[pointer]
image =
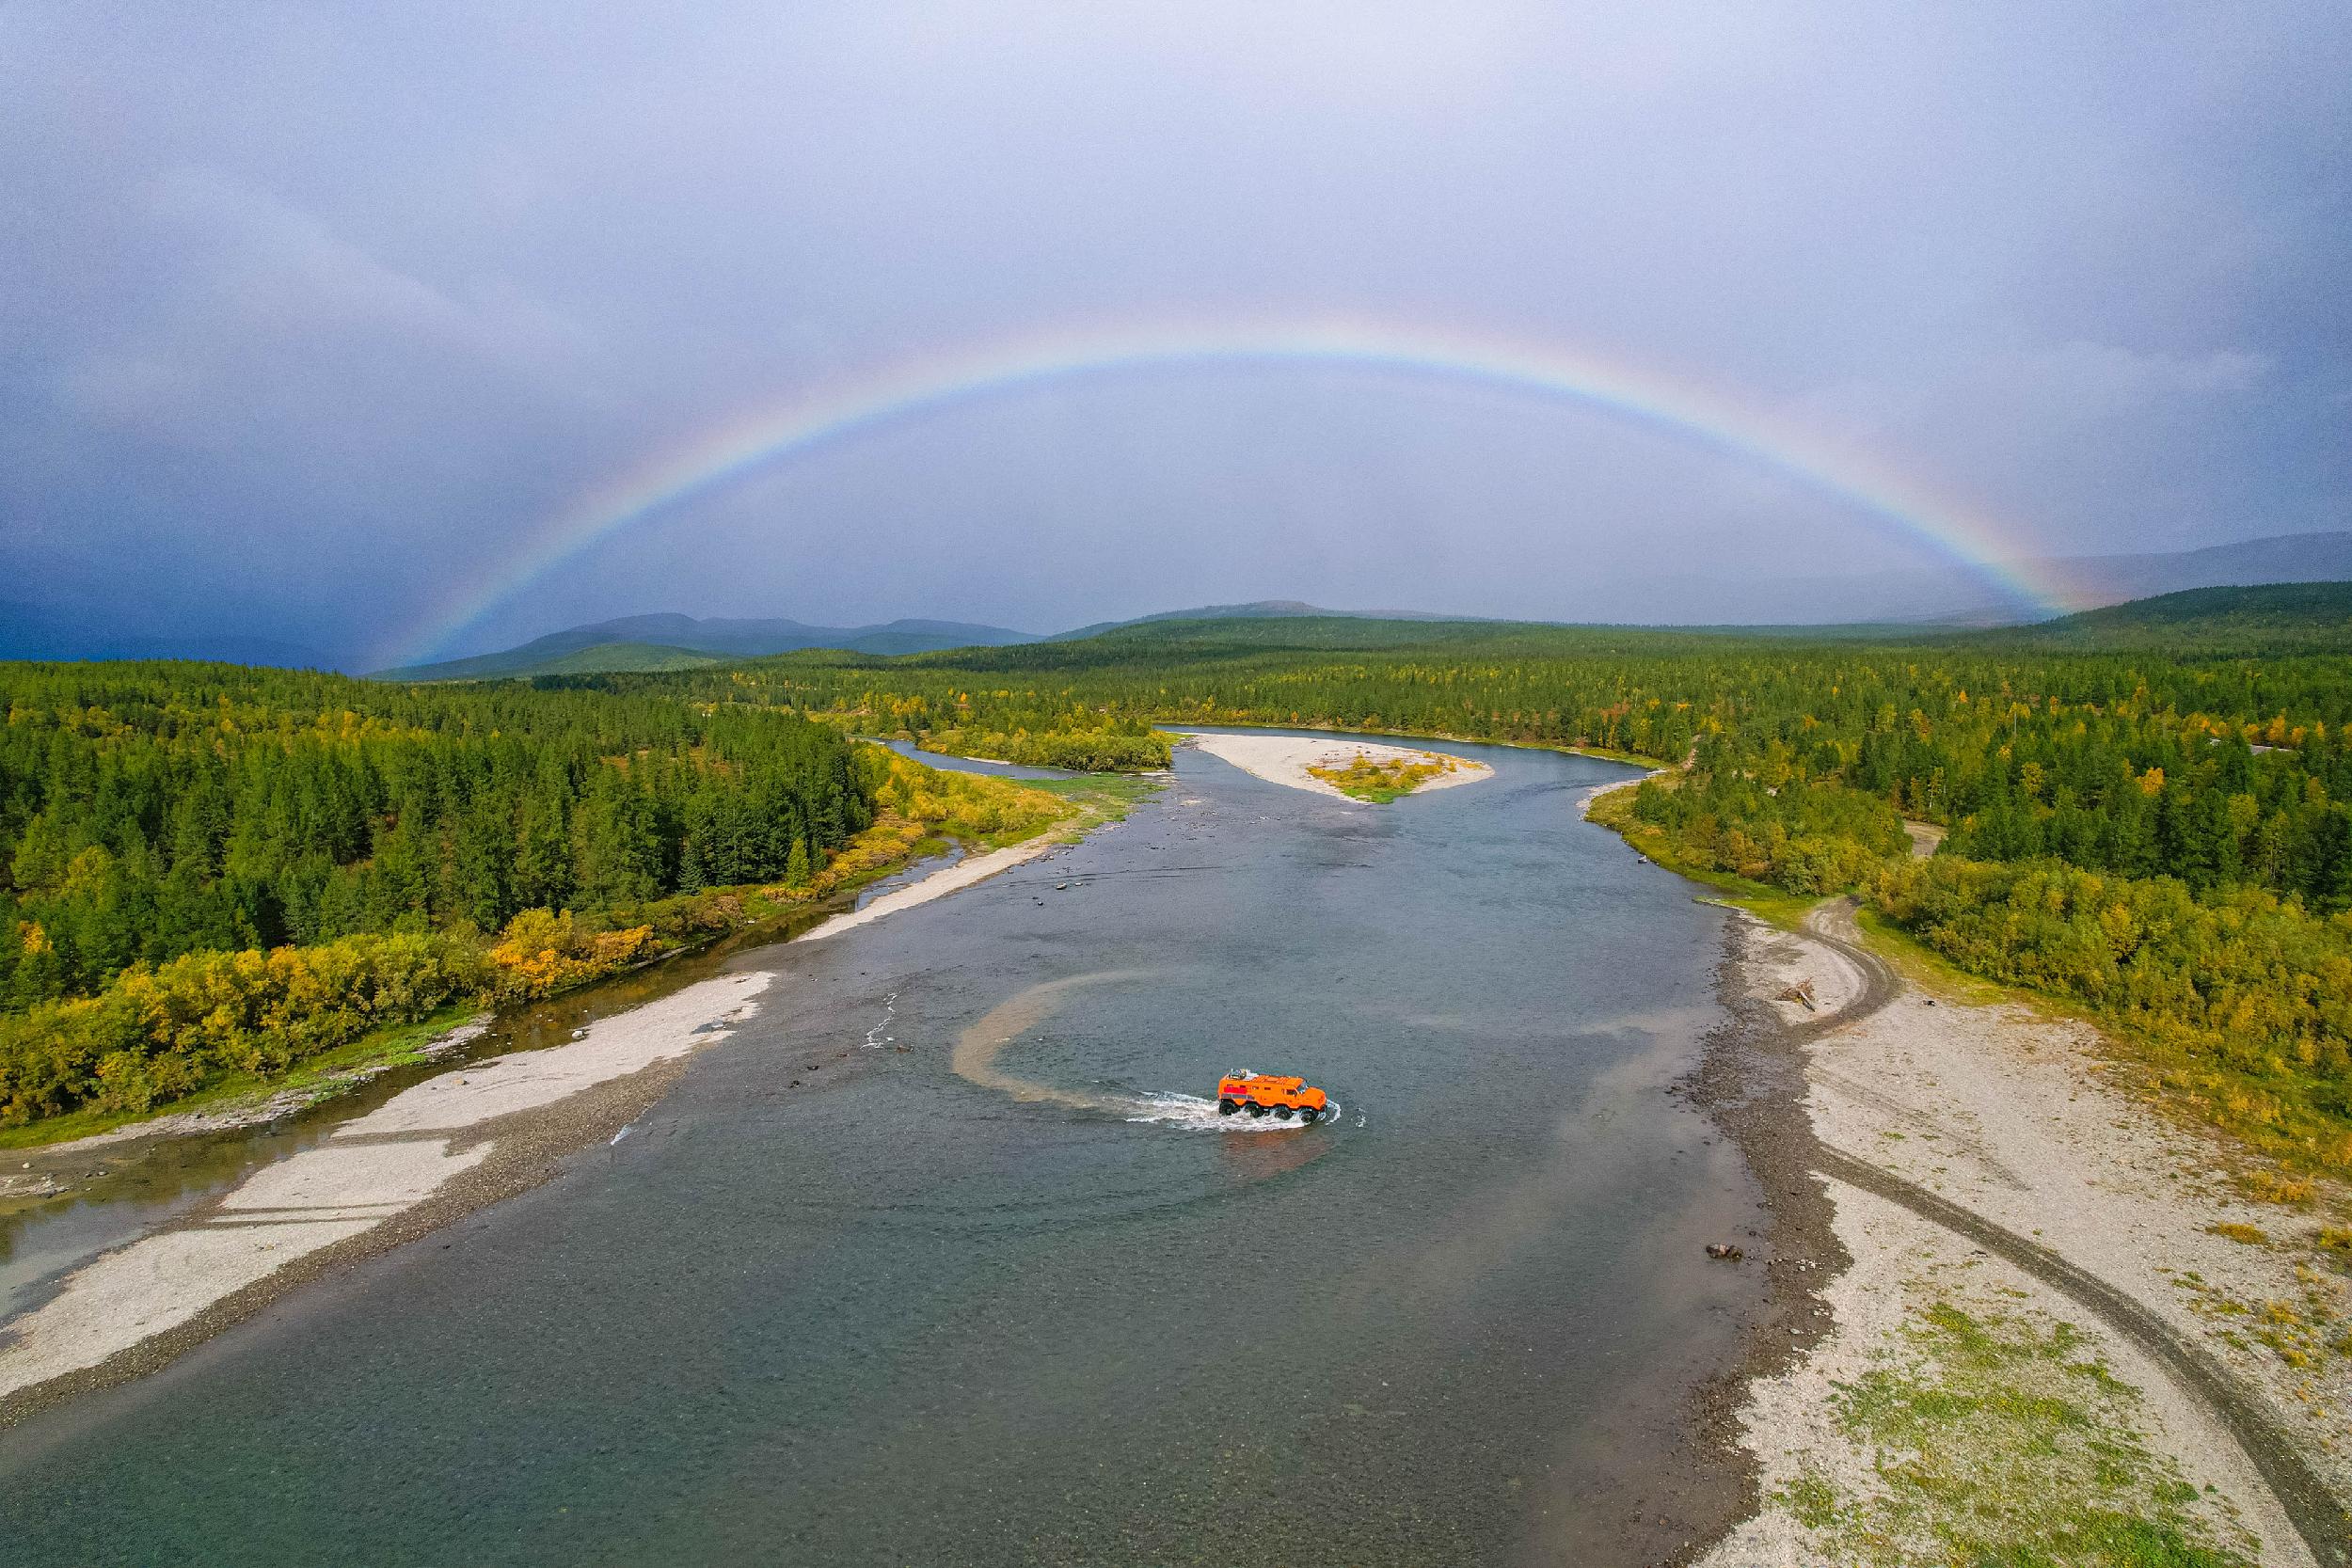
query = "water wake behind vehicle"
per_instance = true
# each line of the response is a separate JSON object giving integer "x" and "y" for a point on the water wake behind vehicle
{"x": 980, "y": 1051}
{"x": 1199, "y": 1113}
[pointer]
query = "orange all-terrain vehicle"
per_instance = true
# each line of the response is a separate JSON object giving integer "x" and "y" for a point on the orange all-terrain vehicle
{"x": 1258, "y": 1093}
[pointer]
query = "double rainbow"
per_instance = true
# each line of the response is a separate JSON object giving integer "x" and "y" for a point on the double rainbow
{"x": 926, "y": 387}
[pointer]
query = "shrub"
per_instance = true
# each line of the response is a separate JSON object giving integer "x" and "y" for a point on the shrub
{"x": 156, "y": 1033}
{"x": 2243, "y": 998}
{"x": 541, "y": 952}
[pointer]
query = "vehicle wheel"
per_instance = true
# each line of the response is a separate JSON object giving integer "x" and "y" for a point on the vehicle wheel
{"x": 1256, "y": 1109}
{"x": 1226, "y": 1107}
{"x": 1309, "y": 1114}
{"x": 1282, "y": 1113}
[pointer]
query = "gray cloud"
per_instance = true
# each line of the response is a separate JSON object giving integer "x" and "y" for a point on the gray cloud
{"x": 307, "y": 314}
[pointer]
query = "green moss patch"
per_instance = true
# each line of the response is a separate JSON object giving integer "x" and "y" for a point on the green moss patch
{"x": 2000, "y": 1440}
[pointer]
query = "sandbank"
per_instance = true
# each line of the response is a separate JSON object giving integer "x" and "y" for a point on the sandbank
{"x": 1284, "y": 759}
{"x": 366, "y": 1172}
{"x": 937, "y": 885}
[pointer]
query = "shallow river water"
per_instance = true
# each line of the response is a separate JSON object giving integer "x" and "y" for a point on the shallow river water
{"x": 994, "y": 1288}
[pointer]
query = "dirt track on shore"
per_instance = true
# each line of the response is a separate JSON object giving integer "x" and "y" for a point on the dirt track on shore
{"x": 2318, "y": 1518}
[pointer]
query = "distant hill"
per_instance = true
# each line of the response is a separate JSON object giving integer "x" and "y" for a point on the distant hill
{"x": 1259, "y": 609}
{"x": 2092, "y": 581}
{"x": 1951, "y": 596}
{"x": 615, "y": 657}
{"x": 1154, "y": 642}
{"x": 2270, "y": 618}
{"x": 625, "y": 644}
{"x": 1321, "y": 628}
{"x": 652, "y": 643}
{"x": 2265, "y": 619}
{"x": 2277, "y": 618}
{"x": 2083, "y": 582}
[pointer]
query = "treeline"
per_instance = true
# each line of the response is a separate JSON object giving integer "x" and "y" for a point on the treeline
{"x": 2210, "y": 799}
{"x": 1129, "y": 747}
{"x": 907, "y": 699}
{"x": 2243, "y": 998}
{"x": 149, "y": 811}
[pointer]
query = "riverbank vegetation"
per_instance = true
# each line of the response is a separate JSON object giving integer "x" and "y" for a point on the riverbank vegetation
{"x": 922, "y": 700}
{"x": 1134, "y": 748}
{"x": 215, "y": 873}
{"x": 1362, "y": 779}
{"x": 2147, "y": 810}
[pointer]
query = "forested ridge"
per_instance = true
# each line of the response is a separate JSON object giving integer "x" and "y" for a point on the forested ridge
{"x": 2148, "y": 810}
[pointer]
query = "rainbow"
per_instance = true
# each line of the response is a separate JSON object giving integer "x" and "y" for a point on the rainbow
{"x": 928, "y": 387}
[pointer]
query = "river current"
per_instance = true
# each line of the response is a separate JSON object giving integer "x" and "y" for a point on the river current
{"x": 990, "y": 1285}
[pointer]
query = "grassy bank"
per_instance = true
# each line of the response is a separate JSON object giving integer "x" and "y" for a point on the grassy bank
{"x": 2000, "y": 1438}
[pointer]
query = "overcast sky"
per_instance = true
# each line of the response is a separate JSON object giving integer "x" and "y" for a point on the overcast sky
{"x": 311, "y": 312}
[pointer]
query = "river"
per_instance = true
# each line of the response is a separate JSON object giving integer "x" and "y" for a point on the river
{"x": 988, "y": 1286}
